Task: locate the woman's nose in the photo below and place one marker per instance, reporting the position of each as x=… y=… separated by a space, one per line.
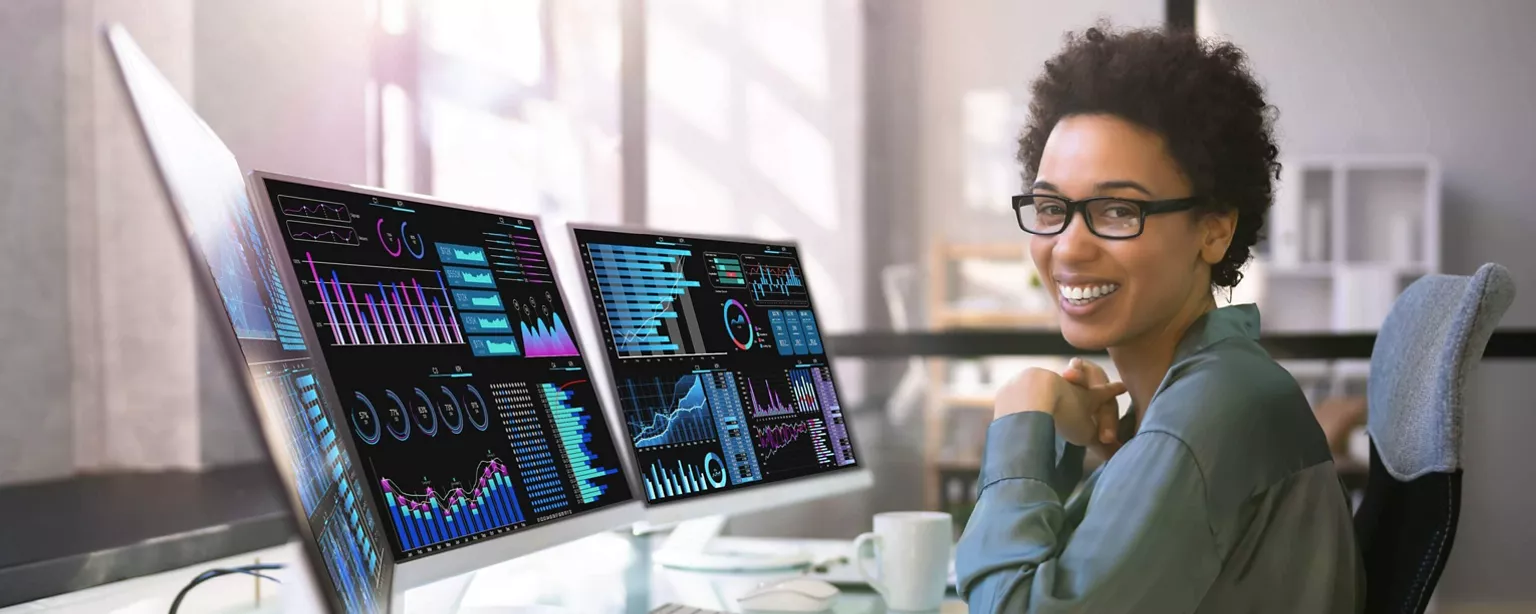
x=1076 y=243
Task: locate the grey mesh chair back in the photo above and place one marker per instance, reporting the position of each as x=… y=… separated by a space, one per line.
x=1432 y=340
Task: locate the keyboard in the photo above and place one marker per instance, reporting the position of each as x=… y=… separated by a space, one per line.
x=673 y=608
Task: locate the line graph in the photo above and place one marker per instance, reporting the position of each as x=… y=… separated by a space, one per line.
x=646 y=300
x=667 y=413
x=775 y=280
x=769 y=404
x=297 y=206
x=486 y=503
x=397 y=311
x=774 y=437
x=322 y=233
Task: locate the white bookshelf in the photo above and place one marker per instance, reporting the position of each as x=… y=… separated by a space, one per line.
x=1346 y=235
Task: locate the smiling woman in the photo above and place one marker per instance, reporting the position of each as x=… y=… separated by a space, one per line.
x=1149 y=158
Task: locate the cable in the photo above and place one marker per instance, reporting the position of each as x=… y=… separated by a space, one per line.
x=250 y=570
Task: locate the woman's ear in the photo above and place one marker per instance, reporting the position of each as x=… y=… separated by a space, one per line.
x=1216 y=231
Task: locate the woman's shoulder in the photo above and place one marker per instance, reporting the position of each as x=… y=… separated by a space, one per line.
x=1231 y=399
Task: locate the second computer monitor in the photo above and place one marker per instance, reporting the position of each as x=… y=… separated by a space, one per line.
x=717 y=358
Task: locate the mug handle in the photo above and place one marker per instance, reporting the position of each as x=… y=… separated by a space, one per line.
x=873 y=540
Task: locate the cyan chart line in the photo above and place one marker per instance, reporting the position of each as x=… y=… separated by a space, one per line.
x=768 y=282
x=424 y=520
x=536 y=463
x=571 y=425
x=662 y=416
x=640 y=287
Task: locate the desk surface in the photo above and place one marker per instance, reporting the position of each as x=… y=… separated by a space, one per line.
x=609 y=573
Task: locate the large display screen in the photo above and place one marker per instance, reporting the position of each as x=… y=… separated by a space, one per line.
x=208 y=189
x=447 y=338
x=717 y=357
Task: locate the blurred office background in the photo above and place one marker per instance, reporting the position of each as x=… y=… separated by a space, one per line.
x=879 y=133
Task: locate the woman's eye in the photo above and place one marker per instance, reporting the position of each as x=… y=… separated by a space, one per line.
x=1121 y=212
x=1052 y=210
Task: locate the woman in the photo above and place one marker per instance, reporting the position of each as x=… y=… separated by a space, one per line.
x=1149 y=158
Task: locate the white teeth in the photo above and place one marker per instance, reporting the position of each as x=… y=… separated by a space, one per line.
x=1082 y=295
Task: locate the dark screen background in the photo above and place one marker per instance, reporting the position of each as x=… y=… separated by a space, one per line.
x=717 y=360
x=453 y=354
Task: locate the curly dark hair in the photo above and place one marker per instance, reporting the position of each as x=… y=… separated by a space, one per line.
x=1199 y=95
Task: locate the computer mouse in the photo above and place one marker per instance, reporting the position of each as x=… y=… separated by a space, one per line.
x=792 y=595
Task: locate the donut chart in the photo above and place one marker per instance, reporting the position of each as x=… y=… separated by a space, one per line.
x=739 y=325
x=365 y=421
x=714 y=470
x=479 y=417
x=425 y=414
x=453 y=414
x=398 y=425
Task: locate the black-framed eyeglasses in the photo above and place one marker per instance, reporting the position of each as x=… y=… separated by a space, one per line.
x=1110 y=217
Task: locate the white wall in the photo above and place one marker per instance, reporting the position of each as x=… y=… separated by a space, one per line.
x=982 y=55
x=35 y=422
x=108 y=361
x=282 y=84
x=1452 y=80
x=755 y=125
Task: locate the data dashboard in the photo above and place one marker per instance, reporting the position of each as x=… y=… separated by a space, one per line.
x=717 y=358
x=454 y=355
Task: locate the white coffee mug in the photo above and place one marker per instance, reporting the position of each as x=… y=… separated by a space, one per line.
x=911 y=552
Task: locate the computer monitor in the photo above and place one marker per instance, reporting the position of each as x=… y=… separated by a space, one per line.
x=462 y=385
x=721 y=378
x=235 y=266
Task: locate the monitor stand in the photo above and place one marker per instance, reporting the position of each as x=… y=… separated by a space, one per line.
x=689 y=547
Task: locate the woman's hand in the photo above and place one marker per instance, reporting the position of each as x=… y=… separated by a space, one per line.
x=1073 y=406
x=1087 y=374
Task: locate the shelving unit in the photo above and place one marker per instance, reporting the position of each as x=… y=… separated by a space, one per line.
x=1348 y=233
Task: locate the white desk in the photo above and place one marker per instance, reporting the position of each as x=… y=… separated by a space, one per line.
x=604 y=574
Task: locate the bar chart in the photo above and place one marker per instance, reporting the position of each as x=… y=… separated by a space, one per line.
x=313 y=444
x=571 y=427
x=645 y=297
x=664 y=479
x=490 y=503
x=537 y=465
x=399 y=310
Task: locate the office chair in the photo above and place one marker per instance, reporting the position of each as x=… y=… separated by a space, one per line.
x=1432 y=340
